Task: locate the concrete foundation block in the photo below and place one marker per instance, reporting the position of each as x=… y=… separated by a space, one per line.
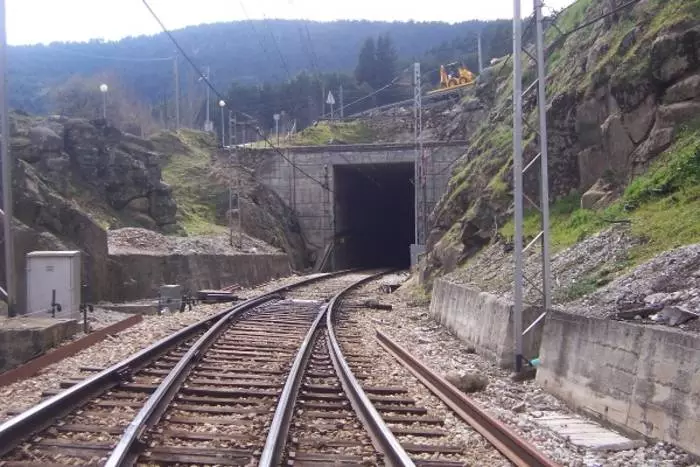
x=22 y=339
x=484 y=321
x=643 y=379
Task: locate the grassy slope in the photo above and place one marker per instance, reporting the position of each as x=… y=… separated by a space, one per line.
x=354 y=132
x=663 y=205
x=188 y=170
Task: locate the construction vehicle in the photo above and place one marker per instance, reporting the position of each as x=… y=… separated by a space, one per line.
x=454 y=76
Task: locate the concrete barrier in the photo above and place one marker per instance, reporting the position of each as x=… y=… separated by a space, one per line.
x=138 y=276
x=636 y=377
x=483 y=320
x=24 y=338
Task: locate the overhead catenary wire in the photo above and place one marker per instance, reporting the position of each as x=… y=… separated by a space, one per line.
x=221 y=97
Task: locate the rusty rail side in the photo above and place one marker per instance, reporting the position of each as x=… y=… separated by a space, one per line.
x=33 y=366
x=517 y=450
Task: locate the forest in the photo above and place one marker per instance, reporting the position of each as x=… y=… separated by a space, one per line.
x=261 y=67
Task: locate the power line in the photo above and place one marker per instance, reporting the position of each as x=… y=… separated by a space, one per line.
x=219 y=95
x=277 y=47
x=391 y=83
x=258 y=36
x=184 y=54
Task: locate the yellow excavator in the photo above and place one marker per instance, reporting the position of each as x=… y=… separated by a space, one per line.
x=454 y=76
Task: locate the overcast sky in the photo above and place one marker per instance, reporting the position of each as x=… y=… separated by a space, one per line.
x=44 y=21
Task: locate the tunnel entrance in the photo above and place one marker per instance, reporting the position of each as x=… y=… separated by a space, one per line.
x=374 y=215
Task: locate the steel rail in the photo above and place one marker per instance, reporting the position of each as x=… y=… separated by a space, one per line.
x=383 y=439
x=42 y=415
x=124 y=453
x=279 y=428
x=517 y=450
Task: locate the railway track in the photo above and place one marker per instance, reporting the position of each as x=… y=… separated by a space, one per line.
x=283 y=379
x=83 y=423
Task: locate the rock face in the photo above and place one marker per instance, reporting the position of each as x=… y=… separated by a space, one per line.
x=613 y=109
x=117 y=167
x=66 y=173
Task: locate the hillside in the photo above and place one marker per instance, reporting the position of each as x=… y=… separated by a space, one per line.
x=77 y=182
x=242 y=51
x=624 y=155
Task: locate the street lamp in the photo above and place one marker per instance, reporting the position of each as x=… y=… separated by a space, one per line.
x=222 y=104
x=103 y=89
x=277 y=127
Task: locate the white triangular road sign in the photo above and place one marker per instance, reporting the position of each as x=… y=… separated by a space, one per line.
x=331 y=99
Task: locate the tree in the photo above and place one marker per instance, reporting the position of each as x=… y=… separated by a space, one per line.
x=80 y=97
x=366 y=63
x=385 y=60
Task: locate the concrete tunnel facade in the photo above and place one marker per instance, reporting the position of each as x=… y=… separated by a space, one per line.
x=368 y=210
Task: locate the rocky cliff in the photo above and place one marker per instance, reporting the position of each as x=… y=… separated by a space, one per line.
x=624 y=96
x=73 y=180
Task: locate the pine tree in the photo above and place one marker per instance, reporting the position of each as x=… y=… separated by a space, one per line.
x=385 y=60
x=366 y=63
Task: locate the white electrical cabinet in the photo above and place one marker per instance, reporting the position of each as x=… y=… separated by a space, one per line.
x=54 y=270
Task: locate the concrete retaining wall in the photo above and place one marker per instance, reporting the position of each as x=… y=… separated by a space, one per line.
x=140 y=276
x=483 y=320
x=640 y=378
x=22 y=339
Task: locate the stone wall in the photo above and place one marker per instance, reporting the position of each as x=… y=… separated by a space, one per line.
x=139 y=276
x=640 y=378
x=484 y=321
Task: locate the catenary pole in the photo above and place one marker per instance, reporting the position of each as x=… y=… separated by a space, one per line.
x=6 y=170
x=518 y=185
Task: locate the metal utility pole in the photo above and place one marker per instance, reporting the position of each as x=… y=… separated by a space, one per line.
x=277 y=127
x=103 y=89
x=340 y=95
x=331 y=101
x=481 y=61
x=208 y=124
x=6 y=170
x=323 y=102
x=176 y=72
x=222 y=104
x=542 y=284
x=417 y=130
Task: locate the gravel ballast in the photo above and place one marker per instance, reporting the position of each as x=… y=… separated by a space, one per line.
x=23 y=394
x=518 y=404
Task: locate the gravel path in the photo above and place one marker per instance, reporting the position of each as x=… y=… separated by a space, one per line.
x=23 y=394
x=592 y=278
x=516 y=404
x=133 y=240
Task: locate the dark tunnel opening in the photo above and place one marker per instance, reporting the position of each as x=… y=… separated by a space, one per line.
x=374 y=215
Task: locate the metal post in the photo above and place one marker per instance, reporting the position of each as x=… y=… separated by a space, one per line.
x=176 y=71
x=239 y=198
x=277 y=127
x=544 y=175
x=230 y=197
x=481 y=61
x=518 y=185
x=223 y=129
x=207 y=125
x=342 y=110
x=6 y=170
x=323 y=99
x=417 y=129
